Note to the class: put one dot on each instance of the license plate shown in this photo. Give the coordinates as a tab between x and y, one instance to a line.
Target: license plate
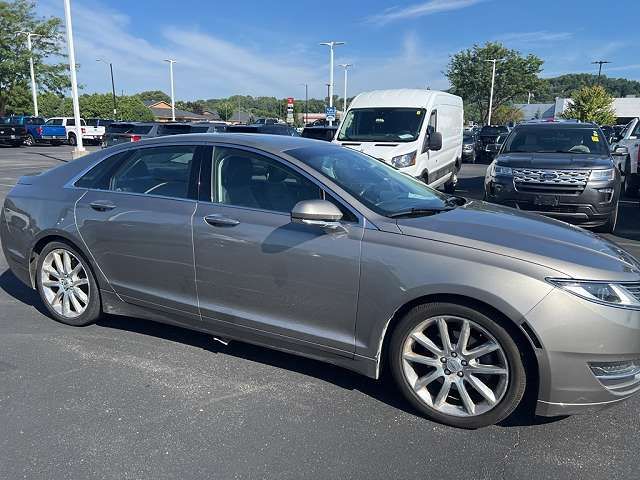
546	200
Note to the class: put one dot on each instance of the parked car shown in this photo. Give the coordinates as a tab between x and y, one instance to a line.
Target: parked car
322	251
125	132
11	133
492	149
560	169
271	129
417	131
266	121
609	133
488	136
626	151
39	131
469	147
320	133
208	127
90	134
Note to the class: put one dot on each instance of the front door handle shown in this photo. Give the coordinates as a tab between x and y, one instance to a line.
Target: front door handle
221	221
102	206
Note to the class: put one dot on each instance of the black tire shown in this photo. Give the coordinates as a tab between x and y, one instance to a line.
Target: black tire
72	140
517	373
30	141
94	306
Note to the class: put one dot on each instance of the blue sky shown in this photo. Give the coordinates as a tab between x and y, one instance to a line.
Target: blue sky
271	47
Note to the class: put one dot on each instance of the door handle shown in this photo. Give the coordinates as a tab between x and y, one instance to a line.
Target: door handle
102	206
221	221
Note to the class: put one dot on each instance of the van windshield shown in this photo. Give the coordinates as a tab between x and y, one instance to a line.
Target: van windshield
382	124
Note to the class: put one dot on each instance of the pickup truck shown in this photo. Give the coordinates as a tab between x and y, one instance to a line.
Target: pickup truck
11	133
39	131
626	152
89	133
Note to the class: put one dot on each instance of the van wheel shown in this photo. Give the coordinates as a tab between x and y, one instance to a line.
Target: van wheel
450	186
456	365
72	140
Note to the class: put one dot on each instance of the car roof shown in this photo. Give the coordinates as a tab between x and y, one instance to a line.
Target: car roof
555	124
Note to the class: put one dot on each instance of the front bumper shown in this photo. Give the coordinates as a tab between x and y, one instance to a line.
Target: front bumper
590	208
575	334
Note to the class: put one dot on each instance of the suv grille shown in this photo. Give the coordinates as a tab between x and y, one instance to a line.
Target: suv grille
550	181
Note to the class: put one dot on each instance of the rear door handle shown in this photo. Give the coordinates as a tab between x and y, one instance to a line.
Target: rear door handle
221	221
102	206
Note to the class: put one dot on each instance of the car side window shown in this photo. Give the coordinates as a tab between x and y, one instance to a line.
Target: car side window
636	131
71	122
100	175
246	179
162	171
54	121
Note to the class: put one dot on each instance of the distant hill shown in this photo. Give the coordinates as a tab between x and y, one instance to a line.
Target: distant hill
565	85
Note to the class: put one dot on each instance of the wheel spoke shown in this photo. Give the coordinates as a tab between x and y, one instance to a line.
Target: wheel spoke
81	296
76	270
426	342
443	393
58	263
65	304
426	380
50	283
483	349
465	332
51	272
80	281
74	301
488	369
66	261
469	406
57	298
482	389
414	357
444	334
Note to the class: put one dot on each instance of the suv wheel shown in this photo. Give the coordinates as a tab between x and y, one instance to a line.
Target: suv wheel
72	140
456	365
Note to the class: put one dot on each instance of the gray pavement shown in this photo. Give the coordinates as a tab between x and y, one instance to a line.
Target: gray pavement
128	398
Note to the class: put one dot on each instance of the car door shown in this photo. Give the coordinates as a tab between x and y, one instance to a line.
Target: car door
258	273
135	219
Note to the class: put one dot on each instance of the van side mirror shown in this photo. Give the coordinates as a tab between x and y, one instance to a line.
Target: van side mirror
435	141
320	213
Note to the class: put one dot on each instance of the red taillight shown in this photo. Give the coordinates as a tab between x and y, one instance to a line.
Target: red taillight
84	130
39	130
135	138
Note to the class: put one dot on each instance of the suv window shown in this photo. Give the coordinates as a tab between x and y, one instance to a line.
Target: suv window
162	171
247	179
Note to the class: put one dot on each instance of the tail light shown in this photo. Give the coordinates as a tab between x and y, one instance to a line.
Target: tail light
135	138
39	130
84	130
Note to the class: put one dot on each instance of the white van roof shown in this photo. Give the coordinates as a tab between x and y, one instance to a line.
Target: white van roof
402	97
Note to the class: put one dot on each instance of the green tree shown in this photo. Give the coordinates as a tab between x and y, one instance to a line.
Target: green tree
470	75
153	95
224	109
591	104
19	15
565	85
506	114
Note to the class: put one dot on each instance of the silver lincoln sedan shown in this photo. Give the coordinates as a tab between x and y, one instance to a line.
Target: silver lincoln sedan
319	250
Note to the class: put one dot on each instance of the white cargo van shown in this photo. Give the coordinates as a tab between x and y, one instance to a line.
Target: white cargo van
417	131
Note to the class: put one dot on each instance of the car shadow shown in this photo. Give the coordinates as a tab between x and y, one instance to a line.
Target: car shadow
382	390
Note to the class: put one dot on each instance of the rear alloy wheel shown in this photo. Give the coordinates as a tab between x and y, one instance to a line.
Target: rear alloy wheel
457	366
29	141
67	286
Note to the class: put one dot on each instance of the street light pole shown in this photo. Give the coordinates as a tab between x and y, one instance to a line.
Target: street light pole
173	100
344	100
493	81
113	87
331	46
306	102
600	63
74	81
34	92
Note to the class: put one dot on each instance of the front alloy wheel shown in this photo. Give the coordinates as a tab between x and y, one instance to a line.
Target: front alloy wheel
457	366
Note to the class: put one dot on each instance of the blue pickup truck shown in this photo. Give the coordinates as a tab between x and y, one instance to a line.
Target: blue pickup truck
40	131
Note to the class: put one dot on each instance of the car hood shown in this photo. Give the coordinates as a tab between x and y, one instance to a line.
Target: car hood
554	160
383	151
565	248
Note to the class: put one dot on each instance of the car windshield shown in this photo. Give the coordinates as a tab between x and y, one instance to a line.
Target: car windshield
382	124
467	138
556	139
380	187
493	130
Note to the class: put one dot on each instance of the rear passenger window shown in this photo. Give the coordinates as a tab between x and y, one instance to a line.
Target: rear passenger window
100	175
162	171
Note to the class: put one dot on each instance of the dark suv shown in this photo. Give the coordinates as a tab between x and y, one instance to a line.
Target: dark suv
560	169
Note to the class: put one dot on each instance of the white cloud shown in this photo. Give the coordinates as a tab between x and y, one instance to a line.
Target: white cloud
531	39
419	10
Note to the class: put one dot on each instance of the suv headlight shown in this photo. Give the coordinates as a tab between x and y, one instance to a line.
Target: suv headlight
602	175
615	294
405	160
499	170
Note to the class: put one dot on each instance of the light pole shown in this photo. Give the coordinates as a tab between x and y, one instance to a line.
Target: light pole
331	46
113	87
529	98
173	100
344	100
493	81
306	102
34	93
74	81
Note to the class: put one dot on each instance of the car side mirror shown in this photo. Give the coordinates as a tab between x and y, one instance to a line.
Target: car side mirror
435	141
320	213
621	150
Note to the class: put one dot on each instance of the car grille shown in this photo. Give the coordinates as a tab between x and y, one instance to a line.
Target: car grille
550	181
633	289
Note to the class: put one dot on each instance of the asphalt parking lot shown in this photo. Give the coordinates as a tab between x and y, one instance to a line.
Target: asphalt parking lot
126	398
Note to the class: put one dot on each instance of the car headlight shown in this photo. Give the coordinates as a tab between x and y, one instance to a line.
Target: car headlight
602	175
615	294
467	147
499	170
405	160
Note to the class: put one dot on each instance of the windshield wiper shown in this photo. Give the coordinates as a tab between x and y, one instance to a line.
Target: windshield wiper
419	212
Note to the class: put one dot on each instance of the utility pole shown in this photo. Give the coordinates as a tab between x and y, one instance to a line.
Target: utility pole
600	63
332	44
34	92
306	102
344	101
79	150
173	99
113	87
493	81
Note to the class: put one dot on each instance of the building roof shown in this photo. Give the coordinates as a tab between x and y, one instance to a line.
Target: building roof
536	110
162	111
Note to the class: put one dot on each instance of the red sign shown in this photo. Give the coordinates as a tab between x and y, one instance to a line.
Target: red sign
290	101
